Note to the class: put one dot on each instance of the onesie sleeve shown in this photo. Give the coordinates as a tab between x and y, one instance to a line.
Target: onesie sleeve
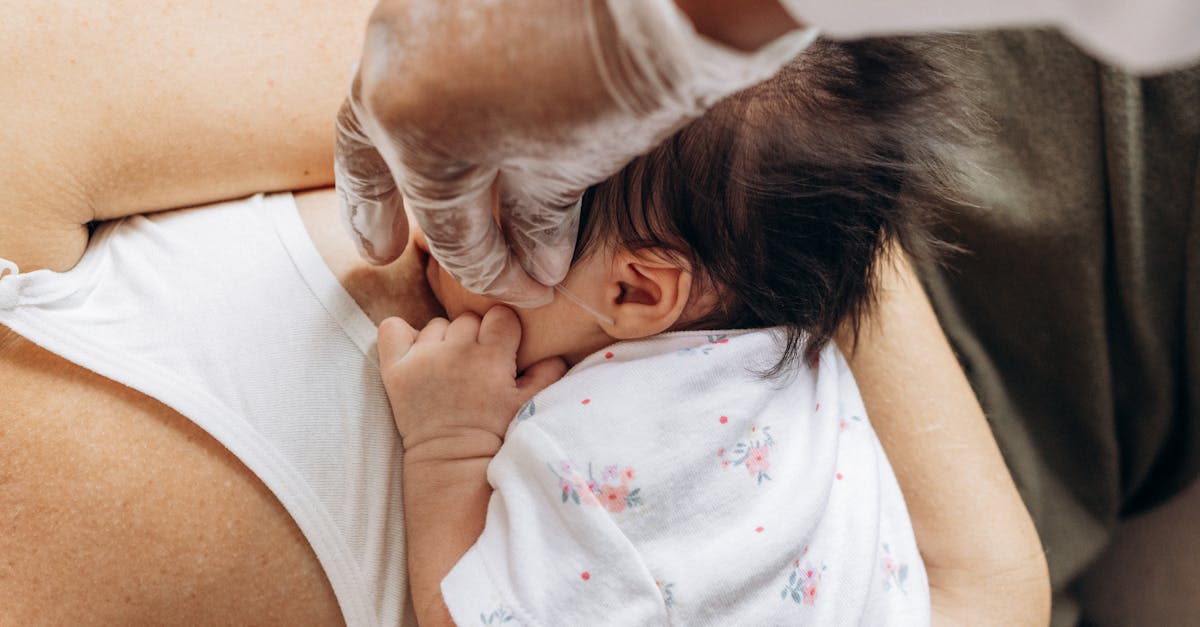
550	553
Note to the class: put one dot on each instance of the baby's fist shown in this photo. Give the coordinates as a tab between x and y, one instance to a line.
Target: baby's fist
453	386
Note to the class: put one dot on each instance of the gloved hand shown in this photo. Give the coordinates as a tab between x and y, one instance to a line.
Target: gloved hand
471	113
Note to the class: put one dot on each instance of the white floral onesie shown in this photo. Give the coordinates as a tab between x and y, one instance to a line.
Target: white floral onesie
666	481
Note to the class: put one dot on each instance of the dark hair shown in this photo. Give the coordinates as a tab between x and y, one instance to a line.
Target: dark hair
782	197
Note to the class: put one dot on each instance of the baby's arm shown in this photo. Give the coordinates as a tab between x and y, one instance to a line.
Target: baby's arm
454	389
980	547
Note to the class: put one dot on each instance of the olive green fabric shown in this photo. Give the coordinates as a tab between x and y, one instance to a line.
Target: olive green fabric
1076	308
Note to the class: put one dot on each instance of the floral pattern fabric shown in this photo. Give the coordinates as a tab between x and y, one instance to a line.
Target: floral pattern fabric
753	453
666	481
612	491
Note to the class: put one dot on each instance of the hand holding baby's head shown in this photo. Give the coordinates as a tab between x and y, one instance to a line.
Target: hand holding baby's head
771	210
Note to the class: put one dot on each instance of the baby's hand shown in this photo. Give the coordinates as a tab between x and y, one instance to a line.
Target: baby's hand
454	386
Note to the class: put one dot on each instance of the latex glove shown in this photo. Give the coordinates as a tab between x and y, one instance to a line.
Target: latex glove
470	112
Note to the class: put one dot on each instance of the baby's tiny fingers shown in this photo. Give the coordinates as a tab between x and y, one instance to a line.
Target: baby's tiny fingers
501	327
396	336
539	376
434	331
464	328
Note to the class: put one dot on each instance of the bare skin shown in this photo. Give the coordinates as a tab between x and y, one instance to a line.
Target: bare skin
118	510
115	509
978	542
202	100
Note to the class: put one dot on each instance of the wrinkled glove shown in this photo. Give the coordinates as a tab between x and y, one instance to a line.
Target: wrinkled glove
488	120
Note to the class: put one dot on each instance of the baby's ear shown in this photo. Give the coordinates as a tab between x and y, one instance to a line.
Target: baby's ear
646	293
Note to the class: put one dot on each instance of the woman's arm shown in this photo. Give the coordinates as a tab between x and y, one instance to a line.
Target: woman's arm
114	108
985	562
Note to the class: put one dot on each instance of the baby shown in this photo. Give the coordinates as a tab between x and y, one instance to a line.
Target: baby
707	457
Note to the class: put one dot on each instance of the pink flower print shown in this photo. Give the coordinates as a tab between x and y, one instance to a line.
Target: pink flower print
588	497
612	492
810	594
895	572
758	460
612	497
753	453
668	594
803	582
844	424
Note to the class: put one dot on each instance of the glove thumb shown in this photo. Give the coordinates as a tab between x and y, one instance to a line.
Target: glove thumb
370	203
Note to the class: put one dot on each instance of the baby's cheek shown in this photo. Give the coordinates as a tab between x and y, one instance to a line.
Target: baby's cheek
457	300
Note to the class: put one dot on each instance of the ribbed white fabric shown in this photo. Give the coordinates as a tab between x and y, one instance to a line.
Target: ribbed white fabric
228	315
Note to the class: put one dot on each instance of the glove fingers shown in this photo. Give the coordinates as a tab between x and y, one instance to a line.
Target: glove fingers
468	244
515	287
542	237
371	206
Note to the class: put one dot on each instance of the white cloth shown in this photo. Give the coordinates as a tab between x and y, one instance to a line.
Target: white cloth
228	315
1144	36
664	481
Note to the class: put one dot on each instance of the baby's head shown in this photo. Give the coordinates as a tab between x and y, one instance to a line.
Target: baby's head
769	211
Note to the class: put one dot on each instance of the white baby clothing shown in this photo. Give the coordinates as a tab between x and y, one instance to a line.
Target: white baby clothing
228	315
667	481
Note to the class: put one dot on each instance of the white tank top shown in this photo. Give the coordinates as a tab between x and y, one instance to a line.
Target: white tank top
228	315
